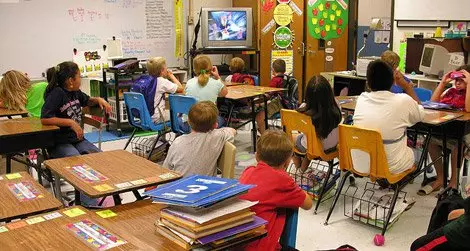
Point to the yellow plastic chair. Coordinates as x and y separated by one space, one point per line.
295 121
371 142
226 161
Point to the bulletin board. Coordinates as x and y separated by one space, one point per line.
37 34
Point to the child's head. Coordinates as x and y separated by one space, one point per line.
237 65
460 84
13 89
274 148
202 66
65 75
391 58
279 66
379 76
322 106
157 66
203 116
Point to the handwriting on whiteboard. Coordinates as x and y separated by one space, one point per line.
136 48
159 20
86 38
132 34
86 15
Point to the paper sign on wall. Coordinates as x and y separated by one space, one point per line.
283 14
295 8
268 26
287 56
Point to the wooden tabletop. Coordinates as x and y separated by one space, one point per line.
248 91
17 206
117 167
53 234
432 117
11 127
7 112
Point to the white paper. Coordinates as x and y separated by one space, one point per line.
182 236
295 8
378 37
224 208
123 185
52 216
268 26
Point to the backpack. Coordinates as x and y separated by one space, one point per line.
448 201
147 86
291 100
243 78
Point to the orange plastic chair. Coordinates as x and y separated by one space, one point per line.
371 142
295 121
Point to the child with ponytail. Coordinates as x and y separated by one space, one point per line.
206 86
63 108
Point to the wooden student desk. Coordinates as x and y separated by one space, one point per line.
452 124
23 134
250 92
9 113
117 166
12 208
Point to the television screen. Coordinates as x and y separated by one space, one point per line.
427 56
227 25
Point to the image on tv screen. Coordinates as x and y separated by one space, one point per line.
227 25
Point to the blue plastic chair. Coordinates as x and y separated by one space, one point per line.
179 104
289 235
423 94
136 105
256 78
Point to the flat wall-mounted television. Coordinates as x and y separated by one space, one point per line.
227 27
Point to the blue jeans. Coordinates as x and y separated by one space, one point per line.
67 150
184 125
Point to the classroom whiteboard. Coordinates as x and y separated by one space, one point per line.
37 34
437 10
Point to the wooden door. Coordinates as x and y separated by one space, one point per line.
267 41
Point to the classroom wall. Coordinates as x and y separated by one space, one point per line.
196 7
368 9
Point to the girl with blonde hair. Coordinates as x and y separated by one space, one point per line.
17 93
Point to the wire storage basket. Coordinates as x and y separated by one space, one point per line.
372 204
142 146
312 179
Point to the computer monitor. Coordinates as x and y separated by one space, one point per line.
227 27
434 59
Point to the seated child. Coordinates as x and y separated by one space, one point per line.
275 105
393 60
453 236
197 152
157 67
207 84
237 68
63 108
321 105
458 97
275 189
17 93
389 113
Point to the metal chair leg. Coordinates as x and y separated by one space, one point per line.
325 184
130 138
153 146
392 207
338 193
117 199
137 195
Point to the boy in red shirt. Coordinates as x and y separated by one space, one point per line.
275 189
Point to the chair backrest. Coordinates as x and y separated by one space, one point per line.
136 105
423 94
256 78
357 141
289 234
179 104
226 161
295 121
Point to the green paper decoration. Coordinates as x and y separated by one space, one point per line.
327 19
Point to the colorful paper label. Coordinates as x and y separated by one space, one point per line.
94 235
24 191
87 173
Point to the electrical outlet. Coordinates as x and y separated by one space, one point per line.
190 20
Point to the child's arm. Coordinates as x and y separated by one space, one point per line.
94 101
223 92
400 81
467 92
455 214
173 79
307 202
61 122
436 95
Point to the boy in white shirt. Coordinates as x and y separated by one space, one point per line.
166 83
391 114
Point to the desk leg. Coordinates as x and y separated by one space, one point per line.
459 161
117 199
230 111
446 157
8 163
56 188
253 121
137 195
78 201
266 124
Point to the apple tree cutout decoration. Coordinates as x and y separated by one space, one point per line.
327 19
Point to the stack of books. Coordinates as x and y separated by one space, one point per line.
204 213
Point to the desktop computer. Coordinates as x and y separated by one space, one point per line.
434 60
